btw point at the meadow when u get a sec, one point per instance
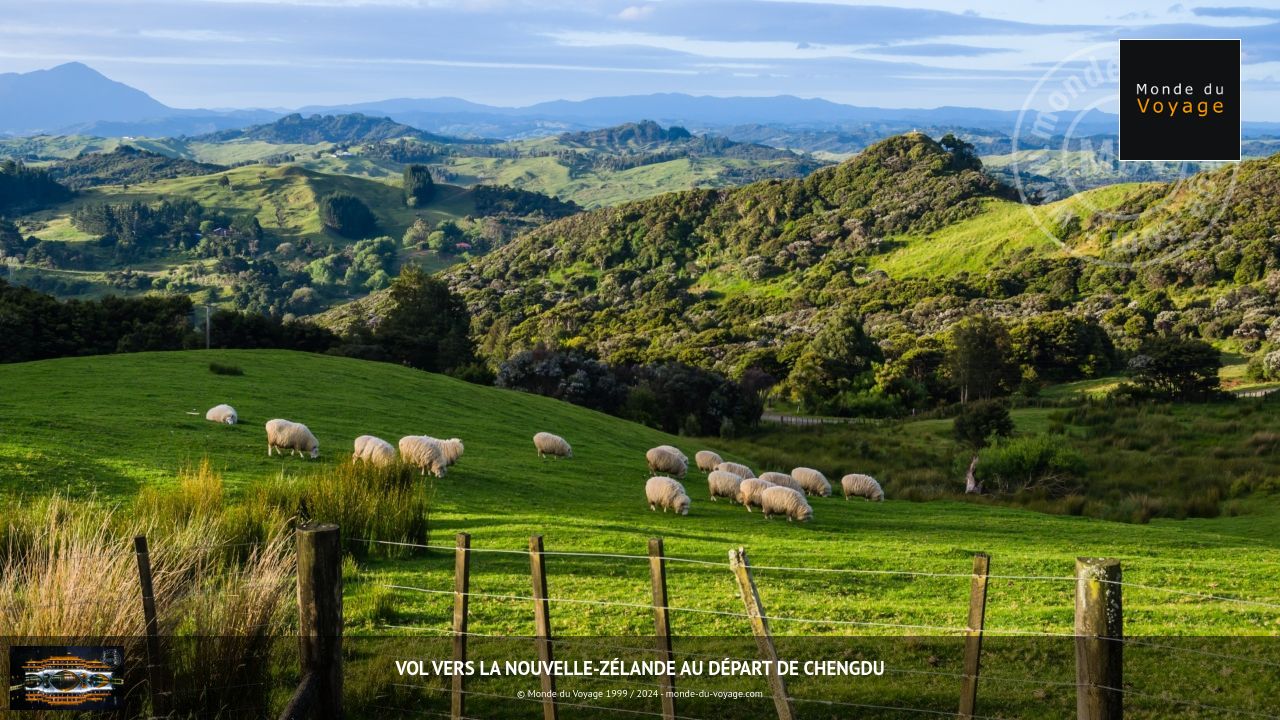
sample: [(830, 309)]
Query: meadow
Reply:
[(122, 433)]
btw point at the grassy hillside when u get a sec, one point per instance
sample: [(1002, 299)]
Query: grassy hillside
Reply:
[(107, 426)]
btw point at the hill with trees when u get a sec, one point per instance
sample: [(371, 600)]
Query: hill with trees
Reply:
[(810, 284), (348, 128), (126, 165)]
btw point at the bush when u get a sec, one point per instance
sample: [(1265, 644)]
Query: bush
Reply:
[(1035, 463)]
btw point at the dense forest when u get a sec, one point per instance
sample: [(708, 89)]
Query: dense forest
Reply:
[(346, 128), (25, 189)]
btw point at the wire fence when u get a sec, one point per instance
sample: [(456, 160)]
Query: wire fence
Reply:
[(826, 624)]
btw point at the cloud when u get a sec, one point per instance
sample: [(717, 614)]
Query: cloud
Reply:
[(635, 12), (1238, 11), (937, 50)]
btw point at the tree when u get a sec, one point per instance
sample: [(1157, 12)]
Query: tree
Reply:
[(418, 186), (427, 326), (347, 215), (1174, 368), (980, 358), (839, 353), (974, 427)]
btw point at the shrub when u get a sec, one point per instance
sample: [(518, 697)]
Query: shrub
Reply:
[(1033, 463)]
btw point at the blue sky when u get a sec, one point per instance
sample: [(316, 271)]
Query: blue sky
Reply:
[(910, 53)]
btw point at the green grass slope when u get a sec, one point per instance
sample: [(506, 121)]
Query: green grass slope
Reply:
[(109, 425)]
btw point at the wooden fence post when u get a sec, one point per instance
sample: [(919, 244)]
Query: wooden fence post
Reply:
[(461, 588), (320, 618), (662, 625), (155, 664), (760, 627), (1099, 640), (542, 627), (973, 635)]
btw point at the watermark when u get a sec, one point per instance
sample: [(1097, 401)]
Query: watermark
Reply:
[(1068, 129)]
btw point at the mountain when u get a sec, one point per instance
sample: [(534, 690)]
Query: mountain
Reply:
[(348, 128), (67, 95)]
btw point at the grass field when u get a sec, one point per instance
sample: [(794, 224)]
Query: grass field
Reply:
[(109, 431), (105, 427), (1000, 231)]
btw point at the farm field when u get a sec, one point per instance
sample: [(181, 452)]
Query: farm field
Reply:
[(57, 438)]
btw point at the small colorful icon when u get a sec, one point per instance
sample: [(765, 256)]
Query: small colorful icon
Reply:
[(43, 677)]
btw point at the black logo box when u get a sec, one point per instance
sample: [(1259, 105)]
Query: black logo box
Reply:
[(1186, 65)]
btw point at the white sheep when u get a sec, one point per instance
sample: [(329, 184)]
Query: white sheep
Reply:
[(424, 453), (222, 414), (666, 459), (707, 460), (749, 492), (723, 484), (785, 501), (552, 445), (666, 493), (783, 479), (452, 450), (677, 451), (813, 482), (738, 469), (863, 486), (295, 437), (373, 450)]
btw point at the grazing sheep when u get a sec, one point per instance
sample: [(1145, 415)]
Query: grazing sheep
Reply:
[(552, 445), (424, 453), (783, 479), (812, 481), (738, 469), (295, 437), (723, 484), (222, 414), (749, 492), (668, 494), (373, 450), (452, 450), (666, 459), (785, 501), (863, 486), (677, 451), (707, 460)]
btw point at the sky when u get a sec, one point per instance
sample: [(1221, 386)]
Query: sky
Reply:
[(904, 53)]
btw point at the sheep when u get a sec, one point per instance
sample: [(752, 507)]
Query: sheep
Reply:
[(676, 451), (863, 486), (749, 491), (295, 437), (373, 450), (552, 445), (707, 460), (783, 479), (222, 414), (738, 469), (424, 453), (662, 459), (785, 501), (723, 484), (813, 482), (666, 493), (452, 450)]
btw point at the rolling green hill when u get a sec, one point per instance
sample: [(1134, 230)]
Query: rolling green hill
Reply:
[(109, 425)]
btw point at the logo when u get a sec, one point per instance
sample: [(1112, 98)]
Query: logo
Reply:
[(1180, 100), (65, 677)]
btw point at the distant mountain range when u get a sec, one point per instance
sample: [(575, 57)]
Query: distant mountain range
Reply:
[(76, 99)]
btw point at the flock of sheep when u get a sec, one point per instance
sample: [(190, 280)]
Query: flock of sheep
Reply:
[(426, 453), (775, 493)]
